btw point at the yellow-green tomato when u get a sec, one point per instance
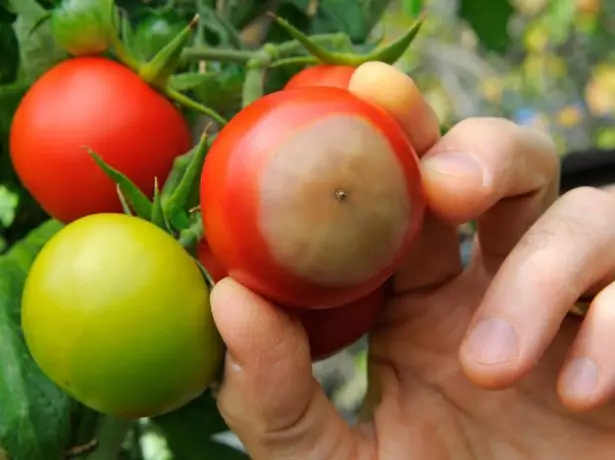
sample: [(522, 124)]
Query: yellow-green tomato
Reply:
[(117, 313)]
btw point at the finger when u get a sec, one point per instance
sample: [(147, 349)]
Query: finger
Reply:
[(394, 91), (269, 396), (434, 258), (588, 377), (566, 252), (492, 170)]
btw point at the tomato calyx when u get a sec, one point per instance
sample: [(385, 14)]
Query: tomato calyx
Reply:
[(318, 54)]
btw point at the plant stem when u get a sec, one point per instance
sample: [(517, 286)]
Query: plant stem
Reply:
[(191, 104), (285, 49), (123, 55), (110, 436), (218, 54)]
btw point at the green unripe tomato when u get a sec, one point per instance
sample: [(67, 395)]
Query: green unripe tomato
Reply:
[(116, 313), (83, 26), (154, 32)]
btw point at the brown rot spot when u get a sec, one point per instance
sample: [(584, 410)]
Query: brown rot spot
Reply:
[(341, 194), (334, 206)]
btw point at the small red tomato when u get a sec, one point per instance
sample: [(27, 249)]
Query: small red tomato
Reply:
[(97, 103), (322, 75), (333, 329), (311, 197)]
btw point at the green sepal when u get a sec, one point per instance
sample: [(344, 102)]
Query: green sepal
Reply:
[(175, 202), (158, 217), (388, 54), (134, 197), (160, 68), (191, 235), (123, 201)]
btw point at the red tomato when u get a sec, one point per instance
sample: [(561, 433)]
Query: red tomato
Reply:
[(311, 197), (322, 75), (328, 330), (98, 103), (333, 329)]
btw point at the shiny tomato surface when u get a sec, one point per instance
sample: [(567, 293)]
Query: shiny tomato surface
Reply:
[(96, 103), (311, 197), (322, 75)]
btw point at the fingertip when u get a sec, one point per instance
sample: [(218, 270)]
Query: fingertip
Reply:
[(394, 91), (490, 355)]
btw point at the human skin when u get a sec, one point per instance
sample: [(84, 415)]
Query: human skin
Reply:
[(477, 363)]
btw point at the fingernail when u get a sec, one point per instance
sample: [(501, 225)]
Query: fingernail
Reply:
[(454, 164), (492, 341), (580, 378)]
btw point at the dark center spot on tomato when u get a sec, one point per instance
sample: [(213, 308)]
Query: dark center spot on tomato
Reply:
[(334, 205), (341, 194)]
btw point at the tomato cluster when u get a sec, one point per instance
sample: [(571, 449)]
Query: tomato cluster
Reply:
[(309, 196)]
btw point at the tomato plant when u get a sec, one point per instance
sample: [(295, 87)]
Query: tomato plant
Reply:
[(117, 313), (322, 75), (96, 103), (311, 197), (114, 318)]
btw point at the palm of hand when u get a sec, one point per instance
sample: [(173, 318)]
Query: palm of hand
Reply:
[(427, 407)]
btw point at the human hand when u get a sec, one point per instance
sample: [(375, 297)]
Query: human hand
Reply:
[(450, 336)]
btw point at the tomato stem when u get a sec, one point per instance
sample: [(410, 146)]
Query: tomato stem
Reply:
[(282, 50), (388, 54), (193, 105), (109, 435), (123, 55)]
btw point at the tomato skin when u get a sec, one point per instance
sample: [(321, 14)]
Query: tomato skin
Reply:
[(116, 313), (231, 193), (329, 330), (333, 329), (94, 102), (322, 75), (208, 260)]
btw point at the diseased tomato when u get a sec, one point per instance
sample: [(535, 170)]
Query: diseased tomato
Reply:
[(333, 329), (116, 313), (322, 75), (312, 197), (97, 103), (328, 330)]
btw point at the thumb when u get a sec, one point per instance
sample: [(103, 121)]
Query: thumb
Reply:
[(269, 396)]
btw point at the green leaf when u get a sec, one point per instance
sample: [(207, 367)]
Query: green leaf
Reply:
[(134, 196), (178, 198), (8, 203), (412, 8), (10, 96), (10, 48), (489, 19), (158, 218), (34, 420), (188, 431), (38, 51)]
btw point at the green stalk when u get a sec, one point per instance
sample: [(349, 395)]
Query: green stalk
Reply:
[(193, 105)]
